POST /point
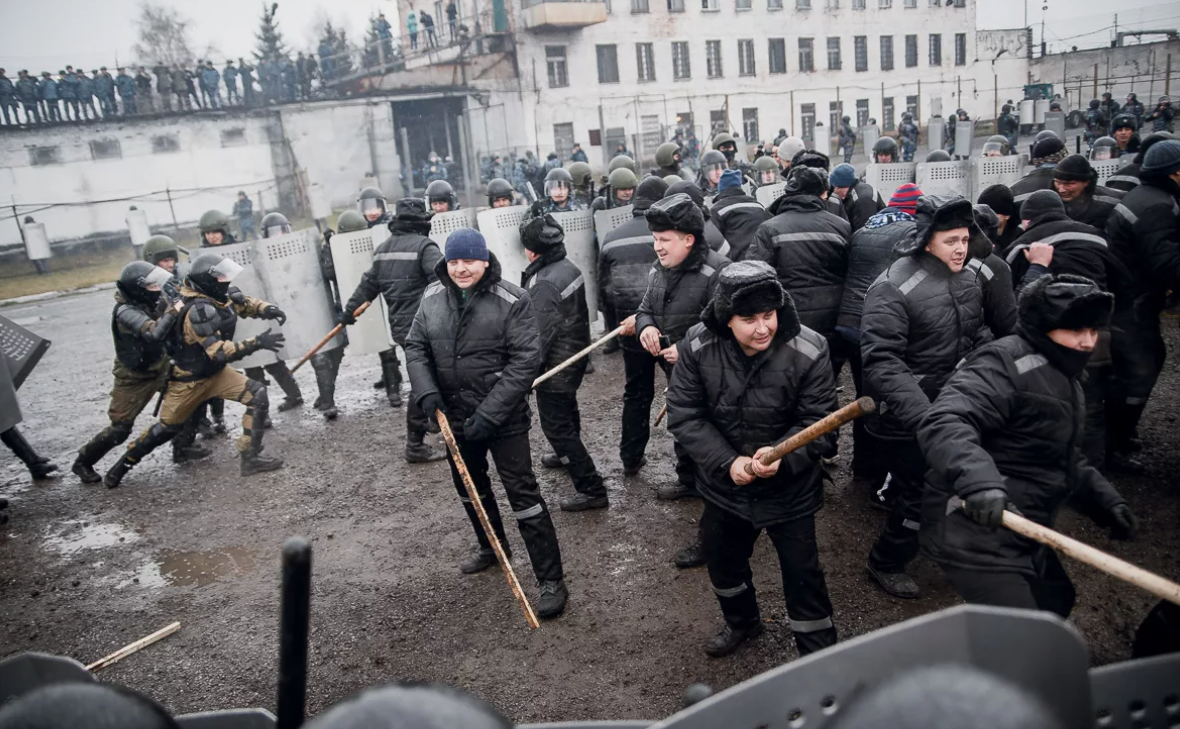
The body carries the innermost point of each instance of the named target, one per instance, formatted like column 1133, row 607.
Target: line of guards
column 911, row 295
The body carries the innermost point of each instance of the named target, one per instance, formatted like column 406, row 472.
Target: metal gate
column 443, row 224
column 352, row 255
column 944, row 178
column 579, row 246
column 886, row 178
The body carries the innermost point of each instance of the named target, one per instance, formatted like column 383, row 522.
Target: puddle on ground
column 198, row 569
column 74, row 535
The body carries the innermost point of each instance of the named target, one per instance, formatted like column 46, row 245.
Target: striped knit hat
column 905, row 198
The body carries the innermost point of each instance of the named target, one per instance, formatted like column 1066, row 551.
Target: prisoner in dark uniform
column 1085, row 200
column 736, row 214
column 750, row 375
column 201, row 347
column 473, row 352
column 1006, row 433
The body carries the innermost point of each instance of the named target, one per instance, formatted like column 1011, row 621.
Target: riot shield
column 21, row 348
column 823, row 139
column 352, row 255
column 501, row 229
column 1055, row 122
column 886, row 178
column 607, row 220
column 138, row 229
column 289, row 267
column 769, row 193
column 1027, row 113
column 964, row 138
column 579, row 246
column 1040, row 108
column 944, row 178
column 10, row 415
column 1105, row 168
column 870, row 133
column 998, row 171
column 935, row 131
column 250, row 284
column 36, row 242
column 443, row 224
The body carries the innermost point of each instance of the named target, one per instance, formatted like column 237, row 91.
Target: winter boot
column 100, row 445
column 729, row 639
column 552, row 460
column 115, row 476
column 254, row 462
column 632, row 469
column 554, row 596
column 325, row 380
column 671, row 492
column 392, row 375
column 85, row 471
column 292, row 397
column 691, row 556
column 898, row 584
column 418, row 452
column 190, row 452
column 584, row 502
column 39, row 468
column 482, row 559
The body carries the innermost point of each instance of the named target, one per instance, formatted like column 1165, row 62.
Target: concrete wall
column 1142, row 69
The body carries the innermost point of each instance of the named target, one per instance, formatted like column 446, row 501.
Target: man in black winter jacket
column 713, row 235
column 994, row 278
column 625, row 259
column 558, row 291
column 473, row 352
column 1144, row 232
column 680, row 284
column 1127, row 177
column 750, row 376
column 736, row 214
column 859, row 200
column 921, row 317
column 404, row 265
column 1046, row 154
column 1085, row 201
column 1006, row 431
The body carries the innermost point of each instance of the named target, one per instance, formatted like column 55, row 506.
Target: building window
column 745, row 58
column 862, row 112
column 807, row 119
column 555, row 61
column 710, row 6
column 774, row 4
column 884, row 3
column 39, row 156
column 638, row 6
column 887, row 113
column 713, row 58
column 608, row 64
column 165, row 143
column 911, row 106
column 105, row 149
column 960, row 49
column 645, row 62
column 652, row 134
column 835, row 111
column 886, row 53
column 803, row 4
column 675, row 6
column 717, row 122
column 833, row 54
column 235, row 137
column 910, row 3
column 858, row 4
column 860, row 46
column 832, row 4
column 750, row 124
column 806, row 54
column 778, row 55
column 935, row 49
column 744, row 4
column 680, row 66
column 960, row 3
column 911, row 51
column 563, row 140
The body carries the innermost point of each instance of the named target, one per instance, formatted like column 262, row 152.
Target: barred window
column 935, row 49
column 806, row 54
column 680, row 64
column 960, row 49
column 886, row 53
column 860, row 46
column 778, row 55
column 555, row 61
column 833, row 54
column 888, row 114
column 745, row 58
column 645, row 62
column 713, row 58
column 750, row 124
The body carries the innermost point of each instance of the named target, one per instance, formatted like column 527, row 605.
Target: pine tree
column 342, row 54
column 371, row 56
column 270, row 39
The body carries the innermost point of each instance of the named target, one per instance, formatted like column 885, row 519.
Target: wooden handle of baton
column 472, row 494
column 1094, row 557
column 335, row 330
column 609, row 336
column 848, row 413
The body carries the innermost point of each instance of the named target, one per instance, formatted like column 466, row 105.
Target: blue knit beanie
column 729, row 178
column 1162, row 159
column 843, row 176
column 466, row 244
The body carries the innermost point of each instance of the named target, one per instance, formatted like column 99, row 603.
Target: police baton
column 846, row 414
column 335, row 330
column 1082, row 552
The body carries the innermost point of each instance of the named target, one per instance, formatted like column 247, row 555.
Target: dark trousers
column 562, row 424
column 282, row 375
column 898, row 544
column 53, row 111
column 514, row 464
column 1139, row 353
column 844, row 346
column 32, row 112
column 7, row 103
column 1095, row 386
column 728, row 542
column 1050, row 589
column 638, row 394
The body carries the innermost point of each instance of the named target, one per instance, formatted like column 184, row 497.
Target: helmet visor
column 155, row 280
column 993, row 149
column 553, row 185
column 769, row 177
column 1101, row 153
column 227, row 270
column 372, row 205
column 274, row 231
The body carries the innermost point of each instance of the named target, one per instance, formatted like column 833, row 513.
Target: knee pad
column 121, row 431
column 260, row 400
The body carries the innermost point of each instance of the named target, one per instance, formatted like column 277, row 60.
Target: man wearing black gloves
column 403, row 266
column 1005, row 433
column 558, row 291
column 473, row 352
column 750, row 376
column 921, row 317
column 1085, row 201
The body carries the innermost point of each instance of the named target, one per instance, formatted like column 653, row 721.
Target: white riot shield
column 964, row 138
column 607, row 220
column 935, row 132
column 501, row 229
column 1027, row 114
column 250, row 284
column 870, row 133
column 769, row 193
column 944, row 178
column 289, row 266
column 823, row 139
column 1105, row 168
column 1055, row 122
column 443, row 224
column 37, row 242
column 352, row 255
column 579, row 246
column 137, row 228
column 886, row 178
column 1039, row 110
column 998, row 171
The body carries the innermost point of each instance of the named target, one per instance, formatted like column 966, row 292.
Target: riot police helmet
column 350, row 221
column 938, row 155
column 141, row 281
column 214, row 226
column 996, row 146
column 623, row 179
column 1045, row 134
column 885, row 147
column 159, row 248
column 556, row 181
column 211, row 274
column 725, row 144
column 767, row 170
column 668, row 154
column 441, row 196
column 672, row 179
column 1103, row 148
column 500, row 193
column 274, row 225
column 371, row 204
column 713, row 163
column 580, row 171
column 616, row 162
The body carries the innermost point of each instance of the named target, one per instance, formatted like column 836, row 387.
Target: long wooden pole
column 127, row 650
column 848, row 413
column 335, row 330
column 472, row 494
column 606, row 338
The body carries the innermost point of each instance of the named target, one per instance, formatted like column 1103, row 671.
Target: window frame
column 645, row 54
column 885, row 52
column 687, row 61
column 960, row 49
column 599, row 50
column 770, row 67
column 713, row 57
column 551, row 63
column 911, row 44
column 807, row 64
column 839, row 56
column 934, row 46
column 746, row 53
column 860, row 53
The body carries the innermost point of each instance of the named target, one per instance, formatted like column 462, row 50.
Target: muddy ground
column 86, row 570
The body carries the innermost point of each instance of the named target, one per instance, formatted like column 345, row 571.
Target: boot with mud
column 254, row 462
column 392, row 375
column 729, row 639
column 189, row 453
column 554, row 596
column 85, row 471
column 106, row 441
column 691, row 556
column 584, row 502
column 114, row 477
column 672, row 492
column 292, row 396
column 898, row 584
column 39, row 467
column 417, row 451
column 325, row 380
column 482, row 560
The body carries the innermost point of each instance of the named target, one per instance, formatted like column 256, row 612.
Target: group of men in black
column 998, row 338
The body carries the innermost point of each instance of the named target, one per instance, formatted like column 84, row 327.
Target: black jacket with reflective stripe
column 861, row 203
column 624, row 260
column 676, row 297
column 1144, row 233
column 1039, row 179
column 870, row 253
column 403, row 266
column 1094, row 208
column 558, row 290
column 999, row 299
column 737, row 216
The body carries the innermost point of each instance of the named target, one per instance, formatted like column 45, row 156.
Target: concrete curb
column 33, row 298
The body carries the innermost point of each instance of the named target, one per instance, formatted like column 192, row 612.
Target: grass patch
column 65, row 273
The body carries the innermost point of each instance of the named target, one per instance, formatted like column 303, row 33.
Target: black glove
column 273, row 341
column 171, row 292
column 347, row 317
column 986, row 507
column 477, row 428
column 1123, row 523
column 431, row 403
column 273, row 312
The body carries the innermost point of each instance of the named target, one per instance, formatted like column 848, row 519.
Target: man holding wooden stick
column 473, row 351
column 1006, row 432
column 749, row 376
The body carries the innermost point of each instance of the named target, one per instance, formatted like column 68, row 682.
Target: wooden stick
column 127, row 650
column 335, row 330
column 662, row 413
column 609, row 336
column 472, row 494
column 833, row 421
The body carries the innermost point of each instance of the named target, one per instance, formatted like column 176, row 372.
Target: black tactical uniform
column 1007, row 430
column 1127, row 177
column 724, row 403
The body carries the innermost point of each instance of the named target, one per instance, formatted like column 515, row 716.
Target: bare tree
column 163, row 36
